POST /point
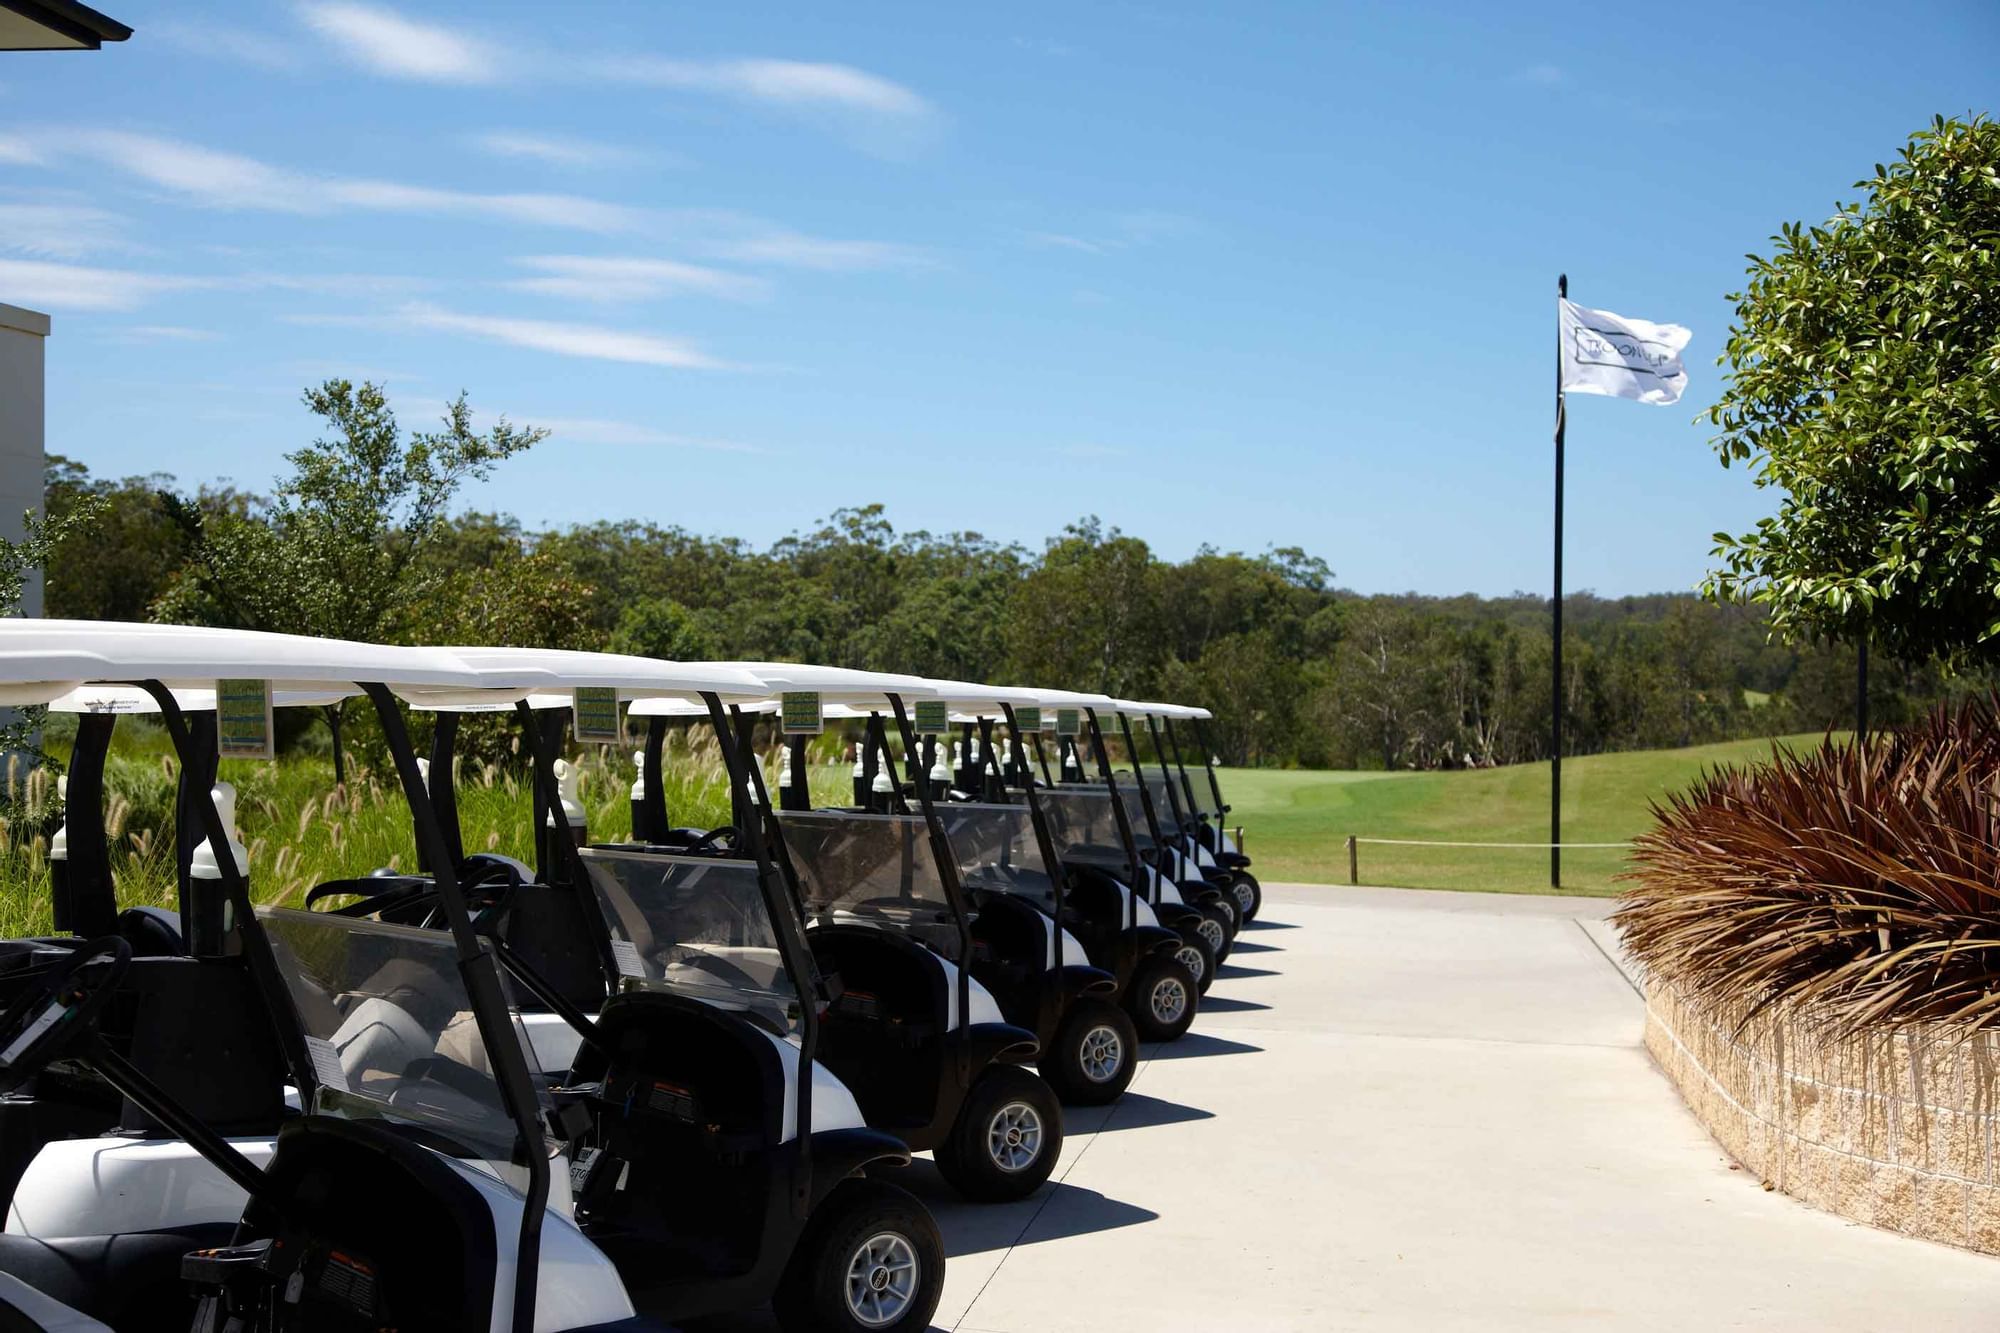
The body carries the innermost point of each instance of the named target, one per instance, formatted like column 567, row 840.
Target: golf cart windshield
column 694, row 926
column 388, row 1023
column 996, row 851
column 1084, row 828
column 856, row 868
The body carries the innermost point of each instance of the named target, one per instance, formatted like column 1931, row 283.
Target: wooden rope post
column 1353, row 859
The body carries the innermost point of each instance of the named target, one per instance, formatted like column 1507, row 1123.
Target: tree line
column 363, row 538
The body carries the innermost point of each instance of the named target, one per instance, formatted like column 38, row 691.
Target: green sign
column 933, row 719
column 594, row 715
column 1069, row 721
column 801, row 712
column 1027, row 720
column 243, row 727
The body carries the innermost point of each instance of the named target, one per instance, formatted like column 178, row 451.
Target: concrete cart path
column 1408, row 1110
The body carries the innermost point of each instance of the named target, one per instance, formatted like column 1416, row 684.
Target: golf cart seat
column 688, row 1101
column 26, row 1310
column 891, row 1008
column 131, row 1282
column 1010, row 935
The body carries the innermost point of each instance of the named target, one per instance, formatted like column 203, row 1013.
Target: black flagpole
column 1556, row 695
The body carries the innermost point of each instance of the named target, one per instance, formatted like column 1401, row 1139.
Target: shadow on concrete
column 1212, row 1003
column 1197, row 1044
column 1135, row 1110
column 1052, row 1212
column 1228, row 970
column 1252, row 946
column 1270, row 925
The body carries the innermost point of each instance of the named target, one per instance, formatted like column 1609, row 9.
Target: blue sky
column 1253, row 275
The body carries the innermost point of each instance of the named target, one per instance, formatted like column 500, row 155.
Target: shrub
column 1851, row 885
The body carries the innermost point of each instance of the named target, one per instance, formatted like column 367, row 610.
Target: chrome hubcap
column 1211, row 933
column 1169, row 1000
column 1014, row 1137
column 882, row 1279
column 1103, row 1054
column 1190, row 957
column 1243, row 898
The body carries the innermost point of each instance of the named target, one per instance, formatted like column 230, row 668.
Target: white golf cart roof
column 1102, row 703
column 835, row 685
column 1133, row 709
column 122, row 700
column 42, row 660
column 556, row 671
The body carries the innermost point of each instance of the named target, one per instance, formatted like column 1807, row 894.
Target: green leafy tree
column 338, row 550
column 1864, row 383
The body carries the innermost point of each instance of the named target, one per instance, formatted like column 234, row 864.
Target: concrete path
column 1407, row 1110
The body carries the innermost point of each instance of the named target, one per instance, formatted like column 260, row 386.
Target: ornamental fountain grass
column 1851, row 886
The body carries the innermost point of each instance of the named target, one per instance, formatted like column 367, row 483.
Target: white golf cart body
column 95, row 1187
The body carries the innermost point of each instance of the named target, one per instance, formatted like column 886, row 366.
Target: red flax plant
column 1853, row 885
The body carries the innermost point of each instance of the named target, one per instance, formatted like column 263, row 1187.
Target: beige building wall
column 22, row 336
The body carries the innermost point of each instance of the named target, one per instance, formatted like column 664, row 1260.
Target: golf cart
column 1102, row 825
column 686, row 1035
column 171, row 1224
column 1216, row 850
column 1168, row 812
column 1003, row 839
column 931, row 1052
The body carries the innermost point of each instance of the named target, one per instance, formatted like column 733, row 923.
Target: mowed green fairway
column 1296, row 823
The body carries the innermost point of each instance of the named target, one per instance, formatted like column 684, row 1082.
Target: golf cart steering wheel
column 488, row 881
column 47, row 1019
column 720, row 968
column 713, row 840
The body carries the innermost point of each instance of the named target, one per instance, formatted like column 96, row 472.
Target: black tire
column 1249, row 894
column 812, row 1296
column 1196, row 955
column 1071, row 1062
column 991, row 1162
column 1162, row 998
column 1225, row 922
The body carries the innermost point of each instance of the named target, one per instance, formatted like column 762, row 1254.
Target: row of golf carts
column 664, row 1072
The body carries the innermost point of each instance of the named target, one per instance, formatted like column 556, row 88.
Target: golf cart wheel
column 1249, row 895
column 1217, row 923
column 1197, row 955
column 1161, row 998
column 871, row 1260
column 1094, row 1054
column 1006, row 1139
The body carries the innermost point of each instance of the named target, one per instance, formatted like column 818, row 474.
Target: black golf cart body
column 691, row 964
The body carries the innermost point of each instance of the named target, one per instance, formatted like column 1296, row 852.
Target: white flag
column 1617, row 357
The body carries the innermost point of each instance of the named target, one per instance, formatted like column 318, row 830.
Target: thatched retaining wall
column 1896, row 1129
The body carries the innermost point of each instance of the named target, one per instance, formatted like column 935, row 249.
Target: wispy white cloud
column 555, row 150
column 1118, row 231
column 610, row 279
column 590, row 341
column 382, row 41
column 60, row 229
column 164, row 333
column 871, row 111
column 593, row 430
column 746, row 240
column 791, row 83
column 1056, row 240
column 47, row 286
column 244, row 45
column 217, row 179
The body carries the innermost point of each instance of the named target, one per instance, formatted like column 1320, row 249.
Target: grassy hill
column 1297, row 822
